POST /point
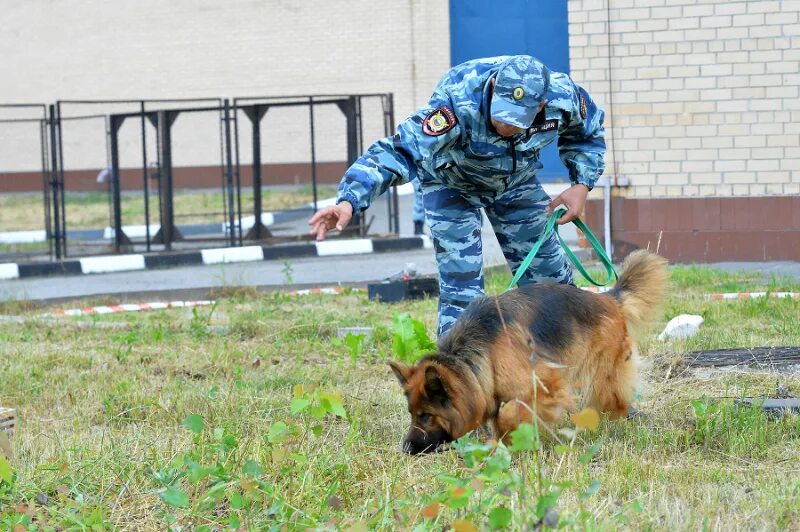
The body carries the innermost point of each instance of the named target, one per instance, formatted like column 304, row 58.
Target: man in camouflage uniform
column 418, row 211
column 476, row 145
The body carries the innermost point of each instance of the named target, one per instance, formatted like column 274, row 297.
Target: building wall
column 191, row 49
column 703, row 101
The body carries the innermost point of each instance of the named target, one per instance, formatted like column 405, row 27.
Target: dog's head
column 433, row 404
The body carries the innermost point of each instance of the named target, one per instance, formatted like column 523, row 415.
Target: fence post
column 54, row 185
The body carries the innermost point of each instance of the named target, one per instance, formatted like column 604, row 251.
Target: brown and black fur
column 574, row 344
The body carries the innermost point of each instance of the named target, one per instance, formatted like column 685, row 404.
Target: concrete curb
column 119, row 263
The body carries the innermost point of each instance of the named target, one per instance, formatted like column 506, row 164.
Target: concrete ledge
column 112, row 263
column 344, row 247
column 118, row 263
column 226, row 255
column 9, row 271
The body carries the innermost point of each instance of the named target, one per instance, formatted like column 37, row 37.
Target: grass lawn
column 92, row 210
column 254, row 415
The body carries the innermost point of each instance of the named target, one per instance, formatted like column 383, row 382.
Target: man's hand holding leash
column 574, row 199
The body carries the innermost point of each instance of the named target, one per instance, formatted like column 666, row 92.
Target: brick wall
column 184, row 48
column 702, row 97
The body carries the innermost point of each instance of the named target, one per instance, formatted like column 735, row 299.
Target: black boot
column 418, row 227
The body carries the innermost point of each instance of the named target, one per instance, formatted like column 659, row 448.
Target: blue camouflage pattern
column 521, row 84
column 418, row 210
column 462, row 165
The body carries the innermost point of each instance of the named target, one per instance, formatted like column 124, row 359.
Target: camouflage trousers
column 518, row 218
column 418, row 212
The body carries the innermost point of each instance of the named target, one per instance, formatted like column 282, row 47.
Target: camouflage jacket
column 451, row 141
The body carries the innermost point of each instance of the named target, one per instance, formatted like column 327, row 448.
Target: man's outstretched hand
column 574, row 199
column 328, row 218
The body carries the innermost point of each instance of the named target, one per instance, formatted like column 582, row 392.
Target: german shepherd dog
column 570, row 342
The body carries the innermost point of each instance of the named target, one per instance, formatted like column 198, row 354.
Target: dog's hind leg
column 552, row 399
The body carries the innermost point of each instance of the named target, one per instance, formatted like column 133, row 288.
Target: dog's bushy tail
column 640, row 288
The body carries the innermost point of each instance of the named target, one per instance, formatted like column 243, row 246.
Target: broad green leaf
column 334, row 404
column 355, row 343
column 424, row 343
column 6, row 471
column 402, row 338
column 197, row 472
column 410, row 339
column 318, row 411
column 500, row 517
column 193, row 423
column 524, row 438
column 252, row 468
column 459, row 497
column 299, row 404
column 278, row 432
column 549, row 500
column 175, row 497
column 236, row 500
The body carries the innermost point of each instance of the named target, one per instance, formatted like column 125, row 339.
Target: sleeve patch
column 439, row 121
column 583, row 105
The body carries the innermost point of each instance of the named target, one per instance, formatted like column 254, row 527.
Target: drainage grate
column 763, row 357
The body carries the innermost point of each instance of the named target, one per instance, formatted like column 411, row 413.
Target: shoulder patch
column 439, row 121
column 583, row 105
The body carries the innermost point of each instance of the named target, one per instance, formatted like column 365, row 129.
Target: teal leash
column 551, row 226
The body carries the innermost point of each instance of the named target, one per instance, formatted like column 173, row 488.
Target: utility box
column 401, row 289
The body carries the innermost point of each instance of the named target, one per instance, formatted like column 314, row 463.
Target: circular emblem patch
column 518, row 93
column 439, row 121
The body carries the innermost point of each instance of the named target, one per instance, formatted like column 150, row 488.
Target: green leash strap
column 551, row 226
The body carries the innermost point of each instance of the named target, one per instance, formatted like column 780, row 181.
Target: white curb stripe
column 111, row 263
column 132, row 231
column 344, row 247
column 22, row 237
column 245, row 254
column 9, row 271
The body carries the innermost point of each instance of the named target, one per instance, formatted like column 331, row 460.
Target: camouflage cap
column 521, row 84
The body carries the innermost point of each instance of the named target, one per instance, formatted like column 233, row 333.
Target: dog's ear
column 434, row 386
column 401, row 371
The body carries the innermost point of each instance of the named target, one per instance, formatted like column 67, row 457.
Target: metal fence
column 123, row 175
